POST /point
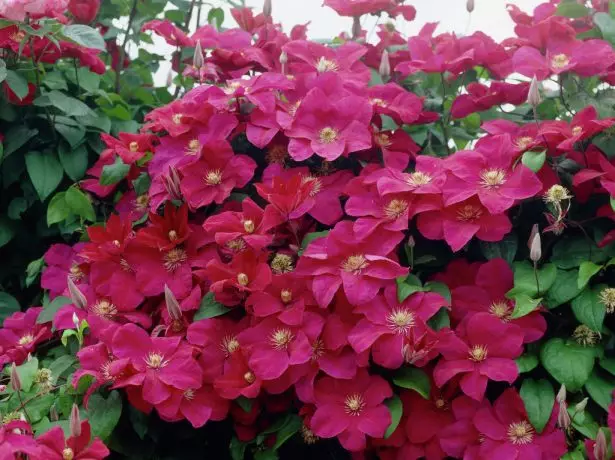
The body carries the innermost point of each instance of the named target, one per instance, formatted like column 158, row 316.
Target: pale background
column 489, row 16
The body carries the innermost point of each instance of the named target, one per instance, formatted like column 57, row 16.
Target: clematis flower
column 197, row 406
column 329, row 129
column 584, row 125
column 20, row 334
column 458, row 223
column 168, row 231
column 486, row 352
column 388, row 322
column 507, row 432
column 162, row 365
column 354, row 8
column 600, row 168
column 129, row 147
column 173, row 35
column 341, row 259
column 351, row 409
column 54, row 446
column 481, row 97
column 394, row 101
column 62, row 261
column 15, row 439
column 461, row 439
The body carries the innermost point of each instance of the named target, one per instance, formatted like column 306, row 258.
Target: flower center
column 249, row 377
column 105, row 370
column 177, row 118
column 559, row 61
column 282, row 263
column 193, row 147
column 354, row 264
column 354, row 404
column 378, row 102
column 281, row 338
column 26, row 340
column 383, row 140
column 328, row 135
column 585, row 336
column 520, row 432
column 125, row 265
column 236, row 245
column 213, row 177
column 395, row 209
column 314, row 182
column 68, row 454
column 577, row 130
column 248, row 226
column 478, row 353
column 469, row 213
column 492, row 178
column 243, row 279
column 189, row 395
column 308, row 435
column 286, row 295
column 607, row 298
column 557, row 193
column 141, row 202
column 500, row 309
column 133, row 146
column 155, row 360
column 318, row 349
column 277, row 154
column 401, row 320
column 523, row 143
column 229, row 345
column 75, row 272
column 174, row 259
column 172, row 235
column 418, row 178
column 18, row 36
column 440, row 403
column 326, row 65
column 104, row 309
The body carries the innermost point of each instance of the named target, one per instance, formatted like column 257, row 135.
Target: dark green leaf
column 608, row 364
column 589, row 310
column 534, row 160
column 2, row 70
column 84, row 35
column 244, row 403
column 80, row 204
column 408, row 285
column 141, row 184
column 600, row 388
column 505, row 249
column 139, row 421
column 291, row 426
column 16, row 137
column 45, row 171
column 440, row 320
column 47, row 314
column 61, row 365
column 569, row 363
column 586, row 271
column 216, row 17
column 74, row 161
column 439, row 288
column 571, row 252
column 210, row 308
column 413, row 378
column 237, row 449
column 8, row 306
column 564, row 288
column 396, row 409
column 17, row 83
column 67, row 104
column 112, row 174
column 7, row 231
column 538, row 397
column 104, row 414
column 527, row 362
column 27, row 372
column 34, row 270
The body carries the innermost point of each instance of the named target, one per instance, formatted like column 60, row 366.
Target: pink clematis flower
column 486, row 352
column 359, row 7
column 341, row 259
column 197, row 406
column 481, row 97
column 461, row 439
column 62, row 261
column 162, row 365
column 351, row 409
column 329, row 129
column 507, row 433
column 20, row 334
column 54, row 446
column 15, row 439
column 600, row 169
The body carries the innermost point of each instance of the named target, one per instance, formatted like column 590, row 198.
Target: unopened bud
column 76, row 295
column 535, row 246
column 600, row 448
column 470, row 6
column 75, row 422
column 411, row 241
column 171, row 183
column 173, row 307
column 561, row 394
column 15, row 380
column 533, row 95
column 76, row 320
column 356, row 27
column 267, row 8
column 198, row 59
column 385, row 65
column 53, row 414
column 563, row 417
column 580, row 407
column 283, row 61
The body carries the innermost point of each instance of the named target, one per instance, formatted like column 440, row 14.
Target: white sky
column 489, row 16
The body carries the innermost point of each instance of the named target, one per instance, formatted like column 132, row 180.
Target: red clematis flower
column 481, row 97
column 599, row 168
column 20, row 334
column 197, row 406
column 54, row 446
column 487, row 351
column 461, row 439
column 351, row 409
column 341, row 259
column 15, row 439
column 129, row 147
column 62, row 262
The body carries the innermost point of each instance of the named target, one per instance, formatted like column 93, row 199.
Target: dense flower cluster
column 272, row 253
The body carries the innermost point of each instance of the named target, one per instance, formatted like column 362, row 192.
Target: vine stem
column 122, row 55
column 178, row 52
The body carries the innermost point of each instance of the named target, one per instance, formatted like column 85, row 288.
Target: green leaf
column 7, row 231
column 216, row 17
column 139, row 422
column 210, row 308
column 527, row 362
column 564, row 288
column 84, row 35
column 572, row 10
column 17, row 83
column 600, row 389
column 307, row 239
column 104, row 414
column 606, row 24
column 58, row 210
column 584, row 423
column 588, row 309
column 2, row 70
column 34, row 270
column 112, row 174
column 534, row 160
column 80, row 204
column 237, row 449
column 538, row 397
column 50, row 310
column 244, row 403
column 16, row 137
column 61, row 101
column 72, row 134
column 440, row 320
column 291, row 426
column 8, row 306
column 439, row 288
column 571, row 252
column 74, row 161
column 413, row 378
column 376, row 78
column 586, row 271
column 505, row 249
column 569, row 363
column 38, row 406
column 524, row 305
column 27, row 372
column 408, row 285
column 525, row 279
column 61, row 365
column 141, row 184
column 608, row 364
column 396, row 409
column 45, row 172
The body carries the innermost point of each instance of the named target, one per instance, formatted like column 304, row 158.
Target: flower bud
column 580, row 407
column 533, row 95
column 600, row 448
column 198, row 59
column 76, row 295
column 283, row 62
column 75, row 422
column 15, row 380
column 563, row 417
column 173, row 307
column 470, row 6
column 84, row 11
column 411, row 242
column 76, row 320
column 53, row 414
column 561, row 395
column 356, row 27
column 267, row 8
column 385, row 65
column 171, row 183
column 535, row 245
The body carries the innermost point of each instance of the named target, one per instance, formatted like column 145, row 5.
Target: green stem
column 122, row 53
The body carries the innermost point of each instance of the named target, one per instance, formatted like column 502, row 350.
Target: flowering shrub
column 320, row 249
